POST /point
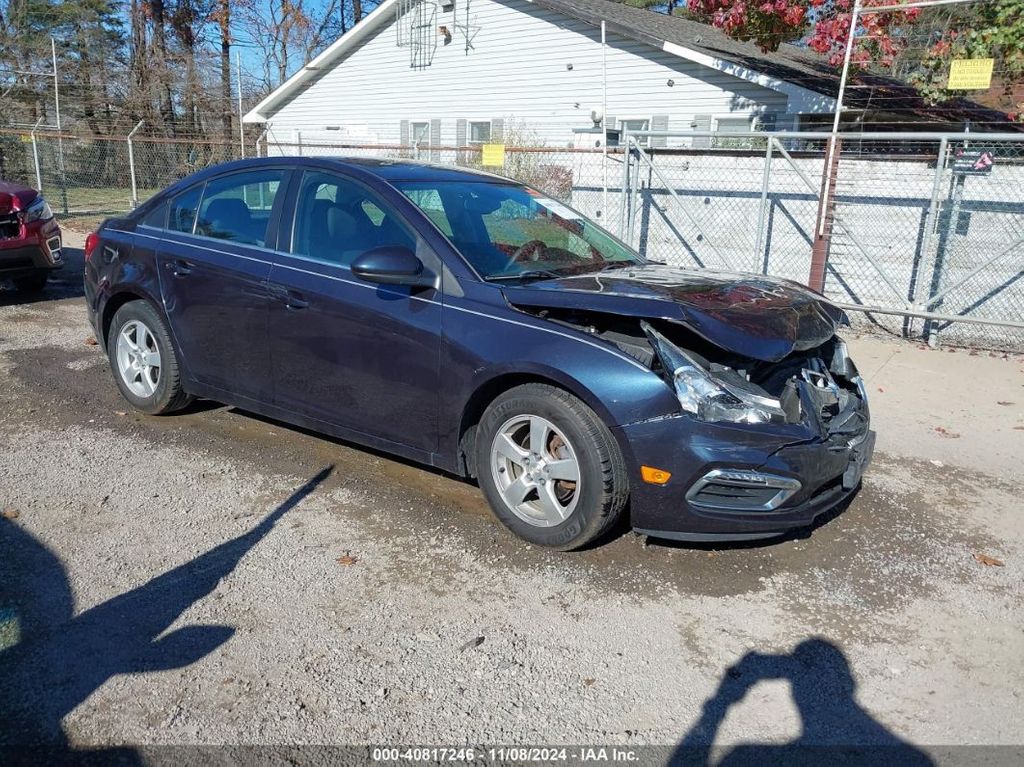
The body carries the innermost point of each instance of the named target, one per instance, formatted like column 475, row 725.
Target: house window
column 733, row 124
column 480, row 132
column 633, row 124
column 727, row 126
column 420, row 133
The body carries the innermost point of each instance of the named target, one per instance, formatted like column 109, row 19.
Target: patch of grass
column 86, row 199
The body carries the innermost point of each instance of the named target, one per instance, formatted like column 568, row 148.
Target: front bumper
column 828, row 472
column 39, row 248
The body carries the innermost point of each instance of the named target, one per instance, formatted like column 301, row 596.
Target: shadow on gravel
column 66, row 282
column 52, row 660
column 834, row 727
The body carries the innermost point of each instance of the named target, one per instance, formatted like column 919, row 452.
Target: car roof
column 386, row 169
column 413, row 170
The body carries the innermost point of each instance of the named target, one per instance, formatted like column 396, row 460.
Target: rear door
column 344, row 351
column 214, row 265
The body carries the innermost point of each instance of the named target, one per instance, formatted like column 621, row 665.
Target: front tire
column 143, row 361
column 549, row 467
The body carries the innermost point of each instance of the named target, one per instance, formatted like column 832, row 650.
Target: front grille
column 741, row 490
column 10, row 227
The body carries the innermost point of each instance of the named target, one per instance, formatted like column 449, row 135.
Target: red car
column 30, row 242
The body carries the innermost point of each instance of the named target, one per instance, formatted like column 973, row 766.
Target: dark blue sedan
column 474, row 324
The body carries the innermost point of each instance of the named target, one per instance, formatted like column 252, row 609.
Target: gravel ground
column 218, row 578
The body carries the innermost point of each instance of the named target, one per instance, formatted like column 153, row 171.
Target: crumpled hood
column 748, row 314
column 15, row 196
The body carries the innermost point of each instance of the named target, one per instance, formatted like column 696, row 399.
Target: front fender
column 486, row 343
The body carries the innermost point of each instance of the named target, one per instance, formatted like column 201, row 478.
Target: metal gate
column 922, row 229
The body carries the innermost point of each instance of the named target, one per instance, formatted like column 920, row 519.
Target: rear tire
column 550, row 468
column 143, row 361
column 33, row 283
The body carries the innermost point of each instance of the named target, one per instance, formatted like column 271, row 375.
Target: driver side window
column 337, row 220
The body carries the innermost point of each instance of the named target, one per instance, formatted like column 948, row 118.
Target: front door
column 213, row 274
column 361, row 356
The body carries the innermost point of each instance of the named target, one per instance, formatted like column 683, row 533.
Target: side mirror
column 392, row 265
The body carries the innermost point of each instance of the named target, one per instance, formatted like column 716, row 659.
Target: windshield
column 512, row 232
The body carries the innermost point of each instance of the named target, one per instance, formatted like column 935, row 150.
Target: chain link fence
column 919, row 235
column 103, row 175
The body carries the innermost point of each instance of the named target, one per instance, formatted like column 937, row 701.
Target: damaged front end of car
column 758, row 446
column 819, row 388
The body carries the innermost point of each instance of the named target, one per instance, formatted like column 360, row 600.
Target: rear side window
column 156, row 218
column 183, row 210
column 238, row 207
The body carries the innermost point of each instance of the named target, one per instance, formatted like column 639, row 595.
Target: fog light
column 655, row 476
column 53, row 245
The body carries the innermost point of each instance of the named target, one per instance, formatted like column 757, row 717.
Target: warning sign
column 493, row 155
column 970, row 75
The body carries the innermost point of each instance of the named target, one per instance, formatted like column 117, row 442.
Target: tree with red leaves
column 993, row 29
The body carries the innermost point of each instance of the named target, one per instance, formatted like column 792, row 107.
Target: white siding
column 517, row 69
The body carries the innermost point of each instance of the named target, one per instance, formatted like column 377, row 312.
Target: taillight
column 91, row 241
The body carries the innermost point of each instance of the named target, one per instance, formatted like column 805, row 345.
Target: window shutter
column 497, row 130
column 460, row 141
column 659, row 122
column 403, row 133
column 701, row 122
column 435, row 140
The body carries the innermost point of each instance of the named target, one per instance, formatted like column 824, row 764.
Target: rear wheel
column 549, row 467
column 143, row 360
column 32, row 283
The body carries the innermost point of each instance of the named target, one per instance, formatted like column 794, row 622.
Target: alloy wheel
column 138, row 358
column 536, row 470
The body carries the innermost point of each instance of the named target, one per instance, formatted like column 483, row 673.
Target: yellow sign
column 26, row 138
column 493, row 155
column 970, row 75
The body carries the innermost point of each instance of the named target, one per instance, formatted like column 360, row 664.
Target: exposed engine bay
column 819, row 387
column 10, row 225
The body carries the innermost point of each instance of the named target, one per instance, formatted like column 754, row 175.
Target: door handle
column 180, row 268
column 292, row 299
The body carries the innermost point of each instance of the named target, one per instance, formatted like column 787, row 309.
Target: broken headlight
column 706, row 397
column 38, row 210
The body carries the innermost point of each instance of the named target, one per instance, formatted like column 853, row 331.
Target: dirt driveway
column 217, row 578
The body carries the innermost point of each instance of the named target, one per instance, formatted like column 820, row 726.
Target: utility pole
column 60, row 138
column 826, row 204
column 241, row 127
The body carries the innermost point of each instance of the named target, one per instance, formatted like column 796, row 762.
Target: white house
column 448, row 73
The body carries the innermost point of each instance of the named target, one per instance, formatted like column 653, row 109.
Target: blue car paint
column 394, row 368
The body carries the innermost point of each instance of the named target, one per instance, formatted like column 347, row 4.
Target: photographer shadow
column 52, row 659
column 834, row 727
